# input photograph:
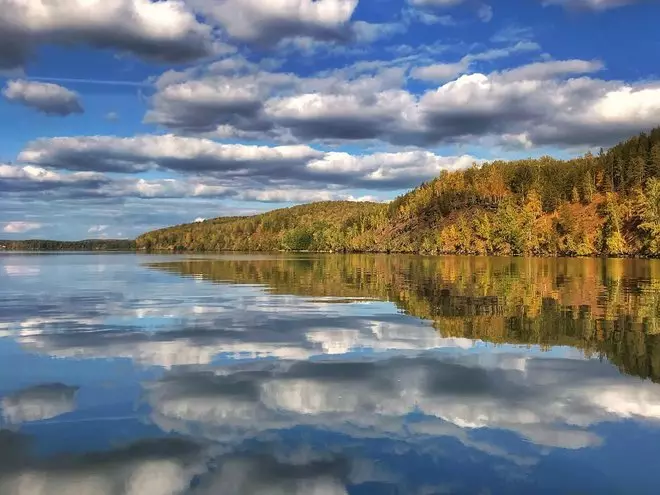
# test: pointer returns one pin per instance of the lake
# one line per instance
(328, 374)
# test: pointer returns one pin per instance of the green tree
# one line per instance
(649, 204)
(654, 161)
(297, 239)
(637, 172)
(587, 188)
(575, 195)
(612, 240)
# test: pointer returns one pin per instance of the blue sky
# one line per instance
(125, 115)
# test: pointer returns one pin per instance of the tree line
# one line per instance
(603, 204)
(85, 245)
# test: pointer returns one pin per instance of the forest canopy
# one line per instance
(604, 204)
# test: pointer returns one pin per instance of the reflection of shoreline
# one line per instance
(603, 307)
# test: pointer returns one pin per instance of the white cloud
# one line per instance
(237, 170)
(275, 20)
(552, 69)
(390, 167)
(443, 72)
(48, 98)
(165, 30)
(168, 151)
(542, 103)
(20, 227)
(97, 229)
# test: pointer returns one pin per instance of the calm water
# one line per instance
(328, 375)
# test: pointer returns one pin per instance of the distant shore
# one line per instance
(84, 245)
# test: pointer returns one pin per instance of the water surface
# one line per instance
(328, 374)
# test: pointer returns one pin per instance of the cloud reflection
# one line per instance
(154, 467)
(548, 402)
(38, 403)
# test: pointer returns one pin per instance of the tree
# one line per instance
(612, 242)
(654, 161)
(575, 195)
(484, 234)
(649, 211)
(637, 172)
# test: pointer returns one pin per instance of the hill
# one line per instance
(605, 204)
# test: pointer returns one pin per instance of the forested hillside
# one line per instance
(596, 204)
(85, 245)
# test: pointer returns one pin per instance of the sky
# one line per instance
(121, 116)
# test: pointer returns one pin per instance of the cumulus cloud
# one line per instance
(38, 403)
(48, 98)
(131, 155)
(29, 178)
(44, 184)
(291, 166)
(20, 227)
(232, 95)
(579, 112)
(556, 102)
(402, 169)
(33, 181)
(164, 31)
(270, 22)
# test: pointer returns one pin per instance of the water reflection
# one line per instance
(608, 308)
(327, 375)
(38, 403)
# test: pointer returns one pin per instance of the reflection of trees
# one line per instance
(604, 307)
